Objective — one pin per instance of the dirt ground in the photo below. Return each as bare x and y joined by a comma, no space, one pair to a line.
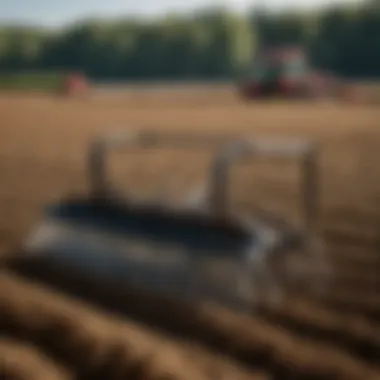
49,334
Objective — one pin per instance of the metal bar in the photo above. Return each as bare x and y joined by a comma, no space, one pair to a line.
310,187
97,163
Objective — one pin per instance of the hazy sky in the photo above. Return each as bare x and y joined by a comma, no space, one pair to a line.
57,12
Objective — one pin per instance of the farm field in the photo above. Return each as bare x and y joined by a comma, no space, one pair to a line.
48,334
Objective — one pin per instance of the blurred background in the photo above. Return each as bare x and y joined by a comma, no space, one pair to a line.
169,40
192,59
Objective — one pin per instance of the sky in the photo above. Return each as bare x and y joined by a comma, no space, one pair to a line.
59,12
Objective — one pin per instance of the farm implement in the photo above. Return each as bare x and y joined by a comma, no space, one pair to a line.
197,251
286,72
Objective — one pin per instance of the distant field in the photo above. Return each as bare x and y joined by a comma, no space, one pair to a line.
363,92
43,142
45,82
51,82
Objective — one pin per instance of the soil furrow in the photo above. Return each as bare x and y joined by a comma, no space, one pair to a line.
248,340
351,333
94,343
19,360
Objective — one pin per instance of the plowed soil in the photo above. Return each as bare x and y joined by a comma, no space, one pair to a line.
49,333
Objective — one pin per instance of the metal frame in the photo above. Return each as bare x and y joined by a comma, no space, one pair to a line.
233,148
253,276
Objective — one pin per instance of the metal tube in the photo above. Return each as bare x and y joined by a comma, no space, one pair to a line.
219,176
97,165
310,188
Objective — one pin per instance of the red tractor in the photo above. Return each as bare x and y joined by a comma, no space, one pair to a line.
286,72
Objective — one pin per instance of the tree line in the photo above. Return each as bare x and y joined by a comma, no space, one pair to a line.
210,44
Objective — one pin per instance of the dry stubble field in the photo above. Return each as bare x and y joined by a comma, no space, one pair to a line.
50,335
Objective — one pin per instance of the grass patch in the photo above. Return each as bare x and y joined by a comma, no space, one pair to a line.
44,82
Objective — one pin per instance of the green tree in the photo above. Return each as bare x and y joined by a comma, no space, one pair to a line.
212,43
